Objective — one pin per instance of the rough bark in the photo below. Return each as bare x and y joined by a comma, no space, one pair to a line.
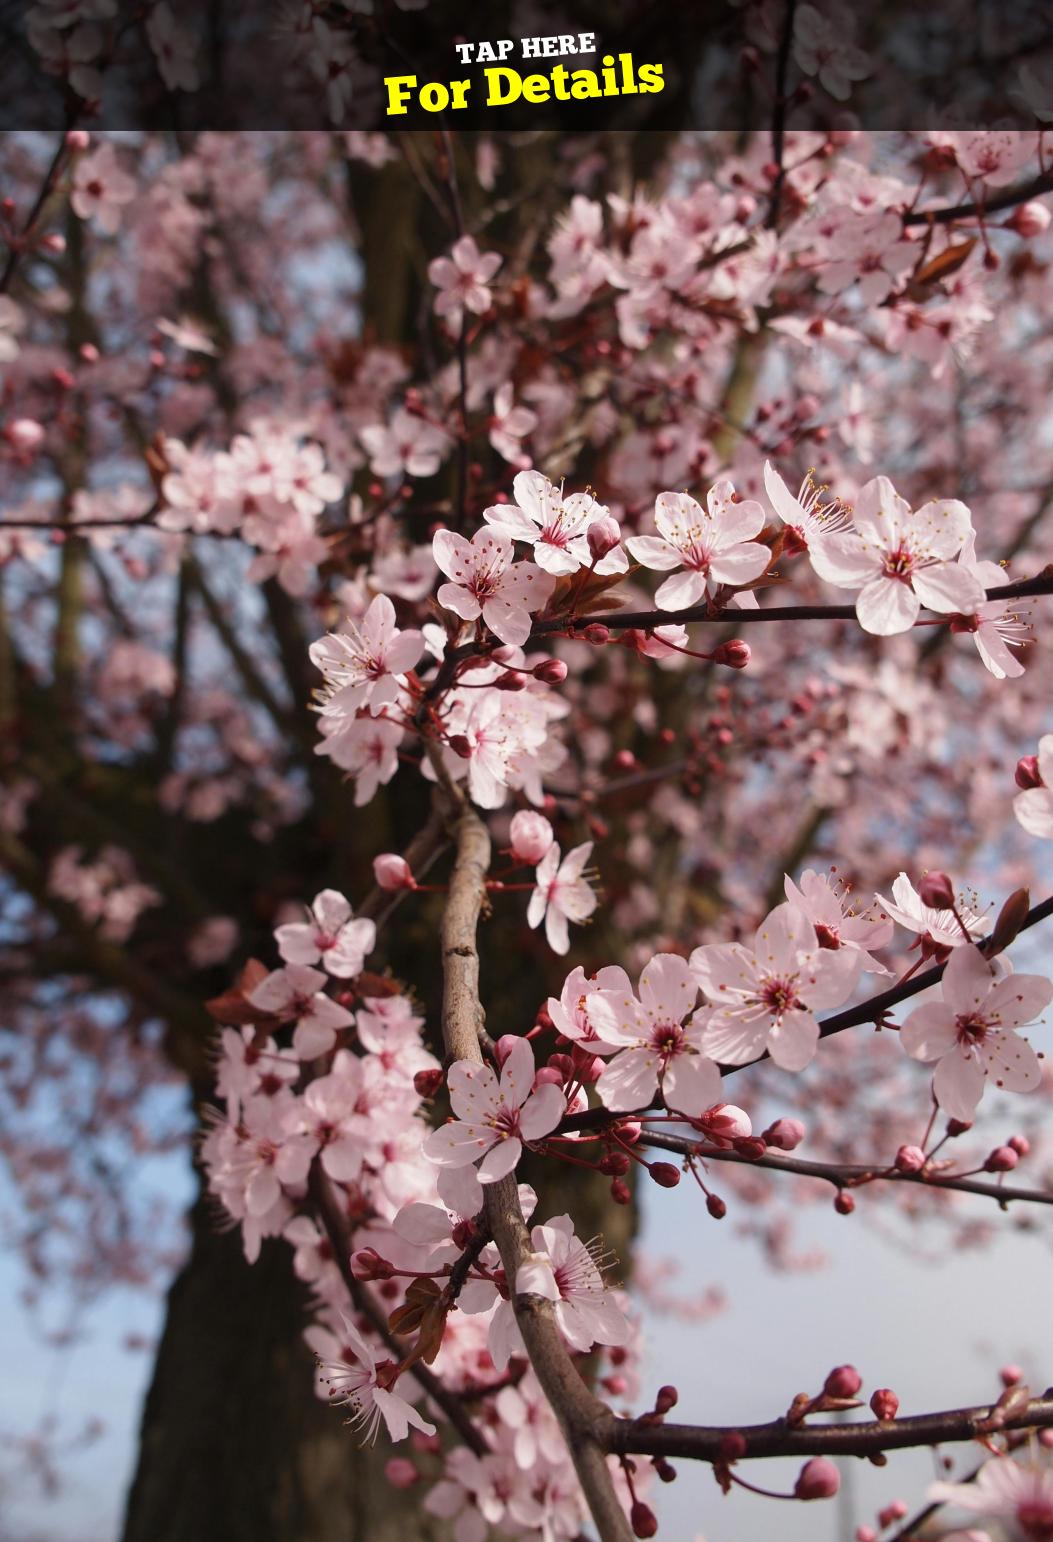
234,1446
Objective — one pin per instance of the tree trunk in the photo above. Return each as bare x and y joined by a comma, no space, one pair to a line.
234,1445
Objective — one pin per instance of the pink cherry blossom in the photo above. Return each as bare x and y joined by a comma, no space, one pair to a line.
1006,1490
362,662
495,1117
1034,807
509,426
295,994
462,280
488,583
810,516
655,1048
712,545
101,189
765,998
993,628
365,746
900,559
408,446
970,1033
331,935
836,925
933,926
555,524
571,1015
820,50
357,1380
565,1272
563,894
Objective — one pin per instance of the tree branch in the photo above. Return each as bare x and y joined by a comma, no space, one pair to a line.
1007,200
583,1419
867,1438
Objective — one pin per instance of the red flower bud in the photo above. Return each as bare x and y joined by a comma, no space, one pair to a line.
1001,1160
817,1479
735,653
663,1469
620,1192
615,1164
427,1083
1028,219
511,680
392,872
843,1381
844,1204
367,1264
667,1398
551,671
716,1207
1027,773
643,1520
956,1127
400,1472
665,1174
1020,1144
937,891
597,634
751,1147
910,1159
884,1403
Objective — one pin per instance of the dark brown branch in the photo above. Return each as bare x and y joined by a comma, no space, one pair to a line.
1007,200
867,1438
845,1176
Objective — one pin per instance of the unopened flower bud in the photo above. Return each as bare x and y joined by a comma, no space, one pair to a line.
587,1068
865,1534
461,746
956,1127
392,872
884,1403
843,1381
603,536
1011,1375
427,1083
1001,1160
400,1472
845,1203
53,242
511,680
1027,773
817,1479
784,1134
1029,219
89,353
367,1264
752,1147
24,435
910,1159
716,1207
615,1164
1020,1144
548,1076
735,653
620,1192
551,671
643,1520
625,760
892,1513
936,891
504,1047
531,836
597,634
663,1469
665,1174
667,1398
80,139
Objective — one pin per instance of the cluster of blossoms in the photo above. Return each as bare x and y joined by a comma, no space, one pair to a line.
345,1094
270,486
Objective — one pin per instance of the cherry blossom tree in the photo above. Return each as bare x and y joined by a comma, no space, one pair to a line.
441,752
